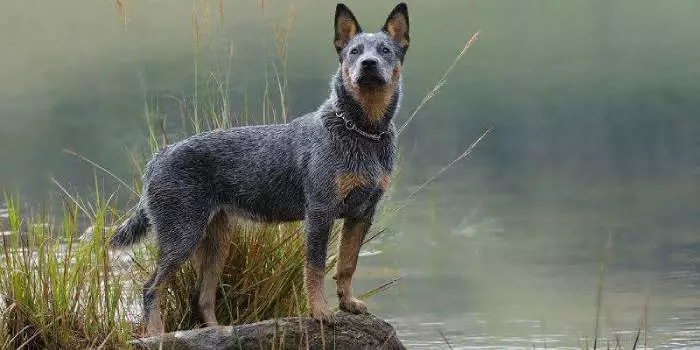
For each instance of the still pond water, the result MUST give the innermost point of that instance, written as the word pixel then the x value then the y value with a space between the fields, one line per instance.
pixel 596 140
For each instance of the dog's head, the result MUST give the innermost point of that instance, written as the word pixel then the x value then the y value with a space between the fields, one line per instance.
pixel 371 61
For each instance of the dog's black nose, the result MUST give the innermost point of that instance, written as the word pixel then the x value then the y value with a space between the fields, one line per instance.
pixel 369 63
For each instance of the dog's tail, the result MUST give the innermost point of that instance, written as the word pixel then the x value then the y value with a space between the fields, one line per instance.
pixel 133 229
pixel 136 226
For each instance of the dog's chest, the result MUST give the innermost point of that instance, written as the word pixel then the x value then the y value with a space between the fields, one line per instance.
pixel 363 177
pixel 350 184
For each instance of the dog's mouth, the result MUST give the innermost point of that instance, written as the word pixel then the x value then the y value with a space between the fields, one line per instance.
pixel 370 80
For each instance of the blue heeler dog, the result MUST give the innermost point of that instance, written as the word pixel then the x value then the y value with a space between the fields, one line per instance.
pixel 334 163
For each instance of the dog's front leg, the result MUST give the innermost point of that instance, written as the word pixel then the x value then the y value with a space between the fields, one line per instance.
pixel 318 226
pixel 354 231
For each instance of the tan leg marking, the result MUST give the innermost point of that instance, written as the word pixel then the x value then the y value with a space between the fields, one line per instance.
pixel 155 322
pixel 318 305
pixel 348 250
pixel 345 182
pixel 209 260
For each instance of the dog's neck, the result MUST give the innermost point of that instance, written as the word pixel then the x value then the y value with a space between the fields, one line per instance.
pixel 374 114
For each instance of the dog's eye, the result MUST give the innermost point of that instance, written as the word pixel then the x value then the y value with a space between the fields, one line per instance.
pixel 354 51
pixel 385 50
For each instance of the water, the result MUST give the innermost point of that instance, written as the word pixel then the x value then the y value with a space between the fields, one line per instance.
pixel 596 138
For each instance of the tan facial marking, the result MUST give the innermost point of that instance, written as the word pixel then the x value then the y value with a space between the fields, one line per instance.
pixel 345 182
pixel 373 101
pixel 396 74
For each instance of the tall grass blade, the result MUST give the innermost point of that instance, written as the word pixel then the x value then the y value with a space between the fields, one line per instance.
pixel 440 82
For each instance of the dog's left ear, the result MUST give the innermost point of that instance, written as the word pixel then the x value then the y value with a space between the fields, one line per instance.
pixel 397 25
pixel 346 27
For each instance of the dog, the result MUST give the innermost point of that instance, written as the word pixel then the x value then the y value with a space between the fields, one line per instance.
pixel 334 163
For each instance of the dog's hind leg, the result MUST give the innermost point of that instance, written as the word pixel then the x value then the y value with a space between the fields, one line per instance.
pixel 209 260
pixel 151 298
pixel 176 239
pixel 151 308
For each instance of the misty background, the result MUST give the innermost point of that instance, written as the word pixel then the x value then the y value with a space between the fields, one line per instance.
pixel 596 137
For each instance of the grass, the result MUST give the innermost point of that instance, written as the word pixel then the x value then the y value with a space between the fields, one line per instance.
pixel 617 343
pixel 262 279
pixel 58 292
pixel 62 292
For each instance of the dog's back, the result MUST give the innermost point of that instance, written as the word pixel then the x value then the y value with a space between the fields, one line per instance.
pixel 251 171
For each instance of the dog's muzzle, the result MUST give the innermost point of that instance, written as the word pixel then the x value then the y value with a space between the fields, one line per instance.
pixel 370 78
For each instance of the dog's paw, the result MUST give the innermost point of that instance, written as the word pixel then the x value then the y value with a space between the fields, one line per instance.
pixel 353 305
pixel 323 314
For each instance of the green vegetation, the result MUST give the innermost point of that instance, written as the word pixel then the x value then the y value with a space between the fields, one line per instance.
pixel 59 291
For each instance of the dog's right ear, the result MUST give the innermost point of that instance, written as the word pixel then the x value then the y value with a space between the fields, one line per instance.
pixel 346 27
pixel 397 25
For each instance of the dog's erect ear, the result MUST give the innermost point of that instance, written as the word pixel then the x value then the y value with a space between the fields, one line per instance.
pixel 397 25
pixel 346 27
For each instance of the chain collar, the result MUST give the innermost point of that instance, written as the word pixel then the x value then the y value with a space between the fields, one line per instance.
pixel 350 125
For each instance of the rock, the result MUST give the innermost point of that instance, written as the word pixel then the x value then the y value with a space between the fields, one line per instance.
pixel 90 232
pixel 87 234
pixel 349 332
